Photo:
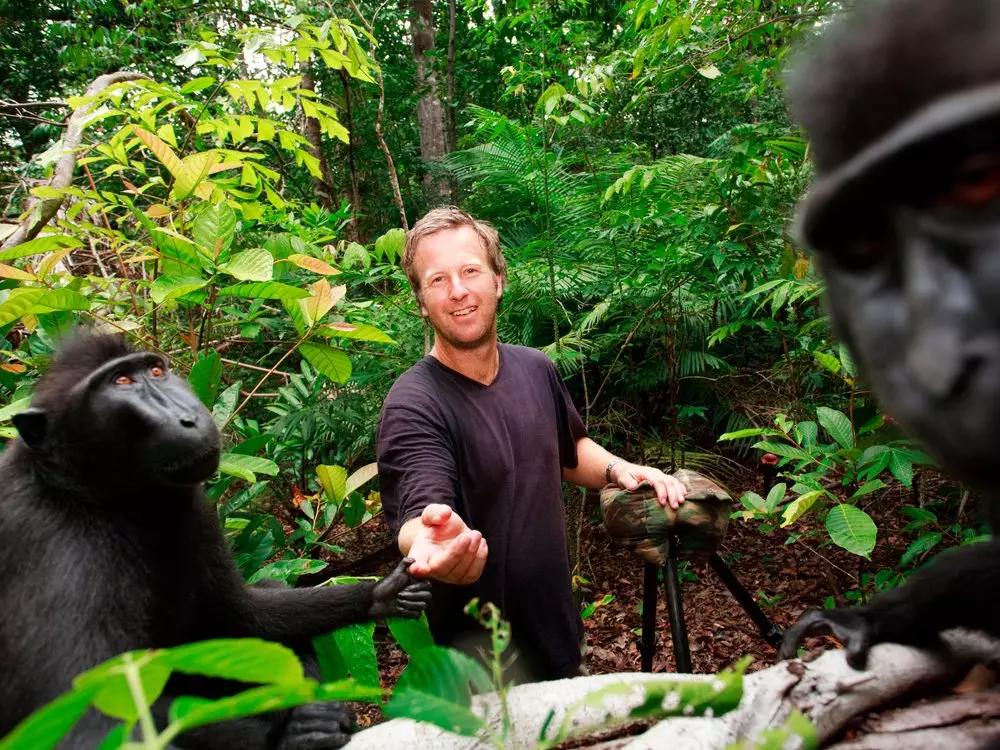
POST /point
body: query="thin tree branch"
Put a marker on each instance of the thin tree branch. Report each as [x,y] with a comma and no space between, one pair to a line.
[397,197]
[42,214]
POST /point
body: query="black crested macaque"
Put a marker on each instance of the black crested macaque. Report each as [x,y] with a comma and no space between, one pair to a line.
[902,104]
[107,544]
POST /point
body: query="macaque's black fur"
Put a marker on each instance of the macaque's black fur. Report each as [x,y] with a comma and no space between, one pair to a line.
[860,79]
[104,548]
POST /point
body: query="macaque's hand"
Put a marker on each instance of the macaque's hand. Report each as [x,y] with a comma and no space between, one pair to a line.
[668,489]
[399,594]
[446,549]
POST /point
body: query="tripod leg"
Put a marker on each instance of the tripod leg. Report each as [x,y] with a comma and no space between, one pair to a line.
[771,632]
[647,641]
[678,629]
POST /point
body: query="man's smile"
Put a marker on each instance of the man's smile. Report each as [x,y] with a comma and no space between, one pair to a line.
[465,311]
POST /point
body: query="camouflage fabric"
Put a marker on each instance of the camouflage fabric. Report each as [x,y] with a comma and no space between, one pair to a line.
[637,522]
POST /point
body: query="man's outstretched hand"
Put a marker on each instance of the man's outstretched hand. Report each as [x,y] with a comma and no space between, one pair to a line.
[443,547]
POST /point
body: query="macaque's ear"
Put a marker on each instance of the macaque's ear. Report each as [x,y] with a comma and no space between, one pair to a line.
[31,426]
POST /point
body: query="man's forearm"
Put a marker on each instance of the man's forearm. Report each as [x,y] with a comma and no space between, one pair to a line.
[407,533]
[591,462]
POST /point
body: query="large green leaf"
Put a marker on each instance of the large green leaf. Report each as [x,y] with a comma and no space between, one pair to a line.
[782,449]
[246,467]
[169,287]
[445,673]
[255,264]
[264,290]
[214,229]
[333,479]
[205,378]
[331,662]
[837,425]
[412,634]
[357,331]
[113,695]
[357,646]
[797,508]
[851,528]
[62,299]
[179,256]
[748,433]
[44,244]
[431,709]
[920,547]
[14,407]
[19,305]
[390,245]
[43,729]
[775,496]
[331,362]
[361,476]
[242,659]
[901,467]
[188,713]
[435,688]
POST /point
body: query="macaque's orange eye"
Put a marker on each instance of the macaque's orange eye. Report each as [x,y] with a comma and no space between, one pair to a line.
[976,184]
[123,380]
[156,371]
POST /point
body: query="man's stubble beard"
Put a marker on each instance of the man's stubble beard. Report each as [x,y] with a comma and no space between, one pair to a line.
[456,343]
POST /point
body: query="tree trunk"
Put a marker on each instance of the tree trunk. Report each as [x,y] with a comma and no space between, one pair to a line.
[355,195]
[430,113]
[313,133]
[452,128]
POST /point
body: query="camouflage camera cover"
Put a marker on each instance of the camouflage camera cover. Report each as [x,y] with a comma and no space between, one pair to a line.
[637,522]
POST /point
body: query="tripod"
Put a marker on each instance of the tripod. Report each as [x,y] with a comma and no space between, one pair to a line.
[678,630]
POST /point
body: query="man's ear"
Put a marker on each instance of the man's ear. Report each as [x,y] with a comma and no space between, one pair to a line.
[31,425]
[499,281]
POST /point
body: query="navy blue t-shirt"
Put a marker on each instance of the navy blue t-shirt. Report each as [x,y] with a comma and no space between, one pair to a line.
[495,455]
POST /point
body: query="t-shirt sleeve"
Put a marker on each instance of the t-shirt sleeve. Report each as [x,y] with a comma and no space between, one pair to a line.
[571,427]
[416,464]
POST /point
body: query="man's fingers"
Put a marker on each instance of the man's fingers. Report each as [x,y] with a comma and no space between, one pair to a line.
[444,564]
[478,563]
[662,493]
[677,490]
[471,566]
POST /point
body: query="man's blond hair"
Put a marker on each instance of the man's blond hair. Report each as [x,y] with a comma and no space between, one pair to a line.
[449,217]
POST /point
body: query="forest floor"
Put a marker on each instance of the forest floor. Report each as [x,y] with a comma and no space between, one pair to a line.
[784,578]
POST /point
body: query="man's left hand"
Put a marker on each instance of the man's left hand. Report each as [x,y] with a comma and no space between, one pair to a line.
[668,489]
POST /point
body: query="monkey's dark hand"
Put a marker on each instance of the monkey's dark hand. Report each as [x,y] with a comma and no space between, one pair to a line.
[852,627]
[318,726]
[399,594]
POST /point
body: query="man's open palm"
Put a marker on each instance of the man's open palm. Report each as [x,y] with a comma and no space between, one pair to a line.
[446,549]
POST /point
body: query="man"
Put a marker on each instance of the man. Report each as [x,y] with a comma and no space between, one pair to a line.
[473,444]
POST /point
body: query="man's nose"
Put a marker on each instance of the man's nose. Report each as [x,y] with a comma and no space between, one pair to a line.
[458,289]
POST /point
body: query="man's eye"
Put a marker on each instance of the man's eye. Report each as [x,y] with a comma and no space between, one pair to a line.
[123,380]
[471,271]
[436,281]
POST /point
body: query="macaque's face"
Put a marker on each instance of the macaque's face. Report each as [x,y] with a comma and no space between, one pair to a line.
[911,254]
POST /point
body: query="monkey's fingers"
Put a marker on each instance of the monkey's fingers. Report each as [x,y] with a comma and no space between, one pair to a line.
[850,627]
[318,726]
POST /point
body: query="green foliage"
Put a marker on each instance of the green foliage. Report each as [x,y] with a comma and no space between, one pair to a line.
[125,687]
[828,478]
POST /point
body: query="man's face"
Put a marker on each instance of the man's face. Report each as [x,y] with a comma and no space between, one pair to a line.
[459,291]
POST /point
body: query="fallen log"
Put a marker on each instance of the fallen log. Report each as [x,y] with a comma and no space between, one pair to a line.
[825,689]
